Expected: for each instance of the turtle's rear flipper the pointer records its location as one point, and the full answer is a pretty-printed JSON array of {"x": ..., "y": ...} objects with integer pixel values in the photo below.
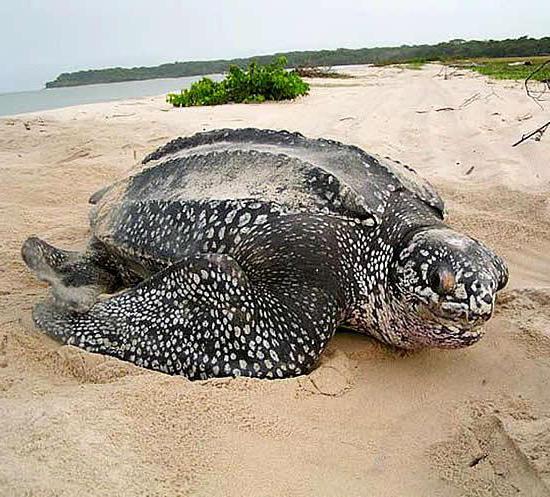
[
  {"x": 76, "y": 278},
  {"x": 43, "y": 258},
  {"x": 170, "y": 322},
  {"x": 203, "y": 317}
]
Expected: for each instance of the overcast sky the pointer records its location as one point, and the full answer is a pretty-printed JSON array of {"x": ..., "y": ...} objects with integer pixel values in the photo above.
[{"x": 41, "y": 38}]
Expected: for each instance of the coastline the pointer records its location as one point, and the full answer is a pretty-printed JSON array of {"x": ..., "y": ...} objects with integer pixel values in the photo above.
[
  {"x": 369, "y": 419},
  {"x": 25, "y": 102}
]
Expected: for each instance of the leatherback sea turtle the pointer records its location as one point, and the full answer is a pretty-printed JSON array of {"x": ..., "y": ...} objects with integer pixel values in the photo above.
[{"x": 239, "y": 252}]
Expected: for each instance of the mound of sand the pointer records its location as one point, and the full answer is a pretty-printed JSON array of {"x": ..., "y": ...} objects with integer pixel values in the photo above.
[{"x": 371, "y": 420}]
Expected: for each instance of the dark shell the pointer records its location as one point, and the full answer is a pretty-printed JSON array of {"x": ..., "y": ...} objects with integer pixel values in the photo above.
[{"x": 298, "y": 173}]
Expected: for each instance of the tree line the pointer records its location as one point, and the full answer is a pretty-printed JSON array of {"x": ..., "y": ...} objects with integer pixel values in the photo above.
[{"x": 450, "y": 50}]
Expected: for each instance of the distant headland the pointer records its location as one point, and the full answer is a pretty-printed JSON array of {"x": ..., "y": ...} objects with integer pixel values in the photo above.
[{"x": 453, "y": 49}]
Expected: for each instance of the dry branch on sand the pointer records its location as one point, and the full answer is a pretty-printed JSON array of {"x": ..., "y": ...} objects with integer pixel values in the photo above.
[
  {"x": 468, "y": 101},
  {"x": 537, "y": 134},
  {"x": 538, "y": 91},
  {"x": 535, "y": 89}
]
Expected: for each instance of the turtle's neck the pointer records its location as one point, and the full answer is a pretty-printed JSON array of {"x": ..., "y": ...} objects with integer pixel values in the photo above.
[
  {"x": 372, "y": 308},
  {"x": 405, "y": 214}
]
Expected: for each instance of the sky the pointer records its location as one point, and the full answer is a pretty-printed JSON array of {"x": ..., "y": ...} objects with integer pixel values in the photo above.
[{"x": 41, "y": 38}]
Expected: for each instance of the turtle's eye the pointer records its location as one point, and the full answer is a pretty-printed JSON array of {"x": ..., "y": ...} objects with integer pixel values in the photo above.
[{"x": 442, "y": 280}]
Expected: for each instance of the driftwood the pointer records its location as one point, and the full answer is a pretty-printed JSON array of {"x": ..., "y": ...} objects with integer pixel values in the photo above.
[
  {"x": 447, "y": 72},
  {"x": 470, "y": 100},
  {"x": 540, "y": 131},
  {"x": 320, "y": 72}
]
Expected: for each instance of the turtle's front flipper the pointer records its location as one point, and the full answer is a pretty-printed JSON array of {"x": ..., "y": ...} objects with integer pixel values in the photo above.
[
  {"x": 202, "y": 317},
  {"x": 76, "y": 279}
]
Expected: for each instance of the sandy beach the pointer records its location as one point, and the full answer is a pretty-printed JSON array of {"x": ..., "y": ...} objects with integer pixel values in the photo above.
[{"x": 371, "y": 420}]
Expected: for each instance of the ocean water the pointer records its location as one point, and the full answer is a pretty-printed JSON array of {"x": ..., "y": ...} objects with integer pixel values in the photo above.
[{"x": 54, "y": 98}]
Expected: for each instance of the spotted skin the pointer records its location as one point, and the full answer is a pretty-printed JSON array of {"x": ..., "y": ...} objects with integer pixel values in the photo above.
[
  {"x": 207, "y": 315},
  {"x": 243, "y": 261},
  {"x": 163, "y": 232}
]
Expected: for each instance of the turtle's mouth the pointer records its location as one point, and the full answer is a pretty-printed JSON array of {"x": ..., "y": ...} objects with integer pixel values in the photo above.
[{"x": 456, "y": 331}]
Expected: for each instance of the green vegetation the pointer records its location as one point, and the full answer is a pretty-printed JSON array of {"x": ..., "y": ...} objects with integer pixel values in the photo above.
[
  {"x": 510, "y": 68},
  {"x": 416, "y": 65},
  {"x": 451, "y": 50},
  {"x": 203, "y": 92},
  {"x": 253, "y": 85}
]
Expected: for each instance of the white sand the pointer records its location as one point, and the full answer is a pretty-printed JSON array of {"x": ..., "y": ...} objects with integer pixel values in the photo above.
[{"x": 370, "y": 421}]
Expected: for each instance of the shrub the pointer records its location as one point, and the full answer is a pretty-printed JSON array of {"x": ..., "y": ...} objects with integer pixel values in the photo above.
[{"x": 254, "y": 85}]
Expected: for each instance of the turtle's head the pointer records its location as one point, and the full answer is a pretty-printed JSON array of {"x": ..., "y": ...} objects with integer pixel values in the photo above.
[{"x": 444, "y": 286}]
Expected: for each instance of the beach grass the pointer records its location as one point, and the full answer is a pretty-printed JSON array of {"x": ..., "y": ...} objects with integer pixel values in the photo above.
[
  {"x": 415, "y": 65},
  {"x": 516, "y": 68}
]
